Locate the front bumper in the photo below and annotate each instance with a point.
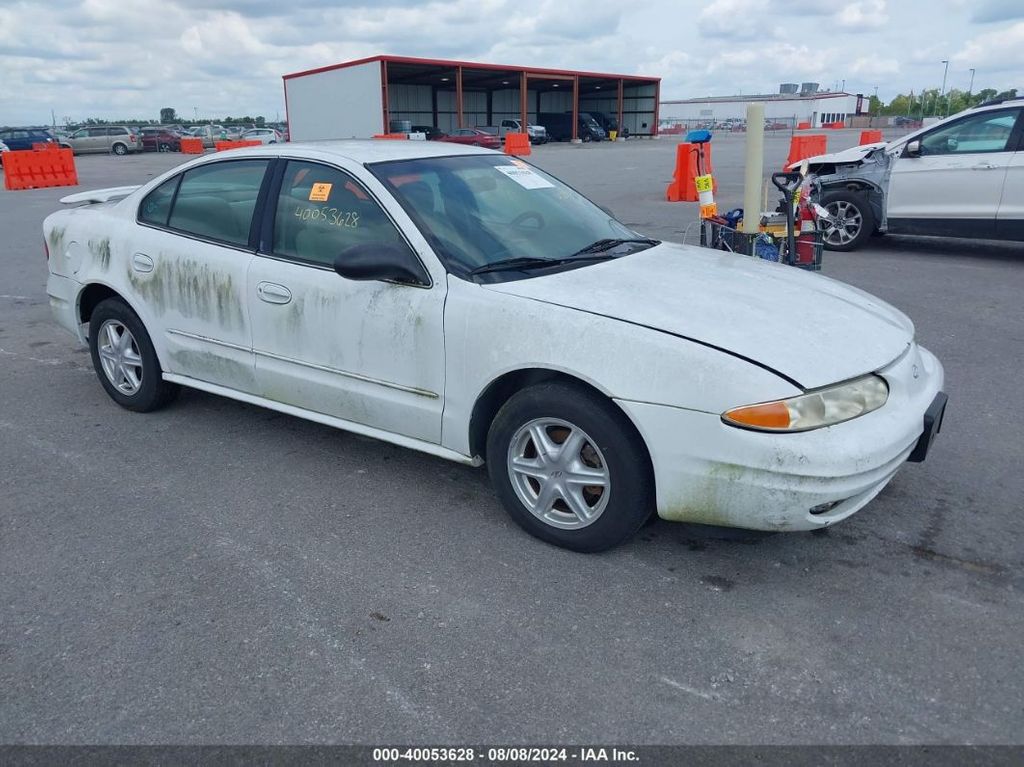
(711, 473)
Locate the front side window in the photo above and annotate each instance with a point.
(477, 210)
(984, 132)
(218, 200)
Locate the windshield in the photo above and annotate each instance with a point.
(478, 210)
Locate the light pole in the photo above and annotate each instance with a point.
(945, 106)
(970, 88)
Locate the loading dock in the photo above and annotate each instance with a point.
(357, 99)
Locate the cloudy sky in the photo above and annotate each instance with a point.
(128, 58)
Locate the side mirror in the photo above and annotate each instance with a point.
(912, 149)
(380, 262)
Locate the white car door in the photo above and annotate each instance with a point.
(365, 351)
(188, 267)
(954, 185)
(1010, 218)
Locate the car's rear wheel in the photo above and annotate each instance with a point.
(569, 467)
(124, 358)
(119, 149)
(165, 147)
(850, 220)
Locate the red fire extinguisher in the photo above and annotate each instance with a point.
(807, 236)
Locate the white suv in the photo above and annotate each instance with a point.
(961, 177)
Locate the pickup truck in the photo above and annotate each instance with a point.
(537, 133)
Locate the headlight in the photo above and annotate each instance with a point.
(823, 407)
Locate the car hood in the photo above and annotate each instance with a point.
(846, 156)
(809, 328)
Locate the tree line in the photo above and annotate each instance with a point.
(930, 103)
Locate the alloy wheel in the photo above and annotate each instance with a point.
(120, 357)
(558, 473)
(843, 224)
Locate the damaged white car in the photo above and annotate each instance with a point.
(962, 177)
(464, 303)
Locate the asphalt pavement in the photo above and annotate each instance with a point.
(220, 573)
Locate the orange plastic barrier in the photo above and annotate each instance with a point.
(803, 126)
(805, 146)
(517, 143)
(392, 135)
(191, 146)
(31, 169)
(683, 187)
(870, 137)
(834, 125)
(221, 146)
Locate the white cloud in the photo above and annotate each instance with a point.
(118, 58)
(867, 14)
(1000, 50)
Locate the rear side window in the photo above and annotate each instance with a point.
(217, 200)
(156, 206)
(322, 211)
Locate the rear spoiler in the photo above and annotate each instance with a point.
(99, 195)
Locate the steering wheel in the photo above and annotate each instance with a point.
(528, 215)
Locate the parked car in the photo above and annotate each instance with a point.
(537, 133)
(160, 140)
(210, 134)
(263, 135)
(961, 177)
(116, 139)
(432, 133)
(23, 138)
(607, 122)
(559, 126)
(3, 148)
(473, 137)
(467, 304)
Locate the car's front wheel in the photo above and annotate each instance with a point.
(165, 147)
(124, 358)
(850, 221)
(569, 467)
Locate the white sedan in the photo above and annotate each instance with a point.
(465, 303)
(263, 135)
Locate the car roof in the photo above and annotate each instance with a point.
(364, 151)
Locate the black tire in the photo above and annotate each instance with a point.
(620, 452)
(165, 147)
(852, 206)
(152, 392)
(119, 149)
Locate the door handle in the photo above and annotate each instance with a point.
(142, 263)
(273, 293)
(984, 166)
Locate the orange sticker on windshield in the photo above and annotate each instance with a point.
(320, 192)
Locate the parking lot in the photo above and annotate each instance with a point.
(219, 573)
